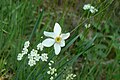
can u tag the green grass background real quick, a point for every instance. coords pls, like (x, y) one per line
(94, 53)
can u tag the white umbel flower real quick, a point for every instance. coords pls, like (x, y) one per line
(33, 57)
(33, 52)
(70, 77)
(93, 10)
(29, 56)
(24, 51)
(26, 45)
(90, 8)
(56, 38)
(86, 7)
(52, 71)
(19, 57)
(37, 57)
(51, 78)
(44, 57)
(40, 47)
(31, 62)
(87, 26)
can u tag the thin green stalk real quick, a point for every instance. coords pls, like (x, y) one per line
(36, 25)
(91, 17)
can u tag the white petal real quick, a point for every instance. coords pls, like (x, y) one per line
(57, 29)
(62, 43)
(65, 36)
(48, 42)
(57, 48)
(49, 34)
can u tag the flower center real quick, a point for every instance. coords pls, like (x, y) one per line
(58, 39)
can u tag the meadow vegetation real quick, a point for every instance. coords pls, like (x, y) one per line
(92, 51)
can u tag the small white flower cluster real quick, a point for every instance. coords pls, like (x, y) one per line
(70, 77)
(33, 57)
(24, 51)
(40, 47)
(87, 26)
(90, 8)
(52, 71)
(44, 57)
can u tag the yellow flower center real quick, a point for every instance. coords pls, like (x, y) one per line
(58, 39)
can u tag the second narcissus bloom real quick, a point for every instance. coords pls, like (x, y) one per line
(56, 38)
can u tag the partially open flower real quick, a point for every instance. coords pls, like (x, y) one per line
(56, 38)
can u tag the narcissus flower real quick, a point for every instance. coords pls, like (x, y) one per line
(56, 38)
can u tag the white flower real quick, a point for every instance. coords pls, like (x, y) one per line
(90, 8)
(51, 61)
(86, 7)
(55, 74)
(51, 78)
(41, 37)
(37, 57)
(96, 10)
(93, 10)
(70, 76)
(74, 75)
(49, 64)
(33, 52)
(29, 56)
(31, 62)
(19, 57)
(56, 38)
(33, 57)
(44, 57)
(48, 72)
(53, 70)
(50, 67)
(24, 51)
(26, 45)
(87, 26)
(40, 47)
